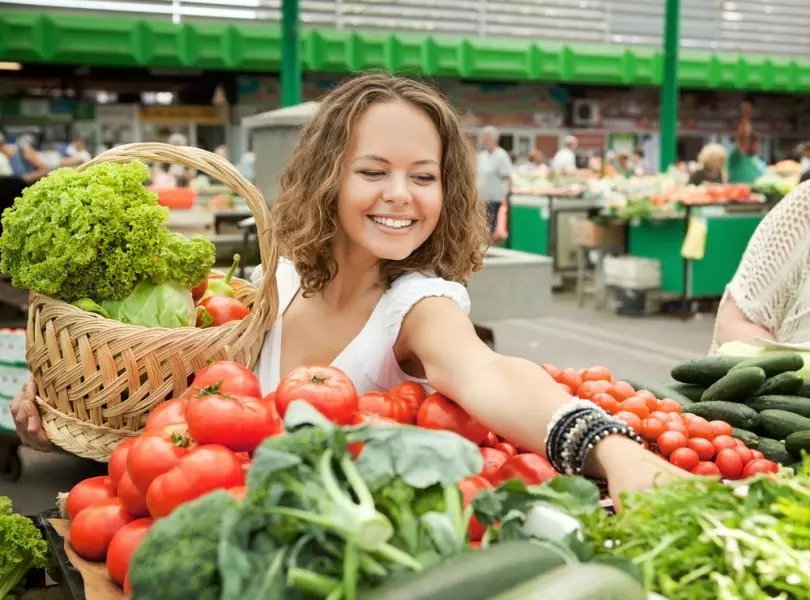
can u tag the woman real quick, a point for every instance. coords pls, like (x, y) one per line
(769, 296)
(380, 221)
(712, 160)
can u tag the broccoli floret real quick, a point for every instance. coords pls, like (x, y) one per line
(21, 547)
(177, 560)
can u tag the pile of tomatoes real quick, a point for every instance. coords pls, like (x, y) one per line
(687, 441)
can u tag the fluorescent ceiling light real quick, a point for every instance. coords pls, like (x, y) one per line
(10, 66)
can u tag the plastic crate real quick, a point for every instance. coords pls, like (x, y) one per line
(633, 273)
(12, 347)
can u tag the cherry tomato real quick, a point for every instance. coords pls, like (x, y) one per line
(230, 378)
(221, 310)
(506, 448)
(531, 469)
(669, 441)
(327, 389)
(470, 487)
(199, 290)
(167, 413)
(757, 454)
(88, 493)
(156, 452)
(738, 443)
(606, 402)
(552, 370)
(646, 394)
(571, 378)
(385, 405)
(493, 461)
(132, 499)
(730, 463)
(411, 393)
(679, 418)
(597, 373)
(240, 423)
(651, 429)
(679, 427)
(633, 420)
(685, 458)
(669, 405)
(622, 390)
(759, 465)
(653, 404)
(720, 428)
(703, 447)
(636, 405)
(118, 461)
(706, 469)
(93, 528)
(439, 412)
(745, 454)
(700, 429)
(123, 545)
(204, 469)
(660, 415)
(491, 440)
(721, 442)
(589, 389)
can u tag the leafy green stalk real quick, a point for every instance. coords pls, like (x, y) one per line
(21, 547)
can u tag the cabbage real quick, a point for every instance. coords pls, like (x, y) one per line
(149, 305)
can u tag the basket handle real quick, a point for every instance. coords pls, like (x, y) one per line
(220, 169)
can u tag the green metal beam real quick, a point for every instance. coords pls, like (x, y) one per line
(669, 87)
(291, 71)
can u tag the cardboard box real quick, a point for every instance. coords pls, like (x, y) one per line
(592, 235)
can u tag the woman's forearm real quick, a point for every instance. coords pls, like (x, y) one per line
(734, 326)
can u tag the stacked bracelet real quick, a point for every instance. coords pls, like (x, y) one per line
(574, 431)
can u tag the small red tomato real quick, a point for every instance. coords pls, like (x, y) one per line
(94, 527)
(633, 420)
(669, 405)
(660, 415)
(123, 545)
(759, 465)
(703, 447)
(588, 389)
(571, 378)
(493, 461)
(738, 443)
(685, 458)
(506, 448)
(118, 460)
(411, 394)
(720, 428)
(552, 370)
(387, 406)
(721, 442)
(646, 394)
(198, 291)
(228, 377)
(757, 454)
(636, 405)
(707, 469)
(439, 412)
(669, 441)
(491, 440)
(730, 463)
(700, 429)
(606, 402)
(622, 390)
(531, 469)
(597, 373)
(470, 487)
(745, 454)
(88, 493)
(167, 413)
(679, 427)
(132, 499)
(652, 429)
(218, 310)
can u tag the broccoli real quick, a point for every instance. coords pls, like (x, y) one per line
(21, 547)
(178, 559)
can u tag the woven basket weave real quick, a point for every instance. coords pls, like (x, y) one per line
(98, 379)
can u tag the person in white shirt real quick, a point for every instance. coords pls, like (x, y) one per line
(76, 153)
(565, 160)
(494, 172)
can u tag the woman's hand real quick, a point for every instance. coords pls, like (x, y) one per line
(26, 418)
(630, 468)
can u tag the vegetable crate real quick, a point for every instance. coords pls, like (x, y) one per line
(98, 379)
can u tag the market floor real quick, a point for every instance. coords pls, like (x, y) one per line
(568, 336)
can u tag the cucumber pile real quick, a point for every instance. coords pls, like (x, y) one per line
(762, 398)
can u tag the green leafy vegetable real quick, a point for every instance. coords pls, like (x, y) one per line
(96, 234)
(148, 305)
(21, 547)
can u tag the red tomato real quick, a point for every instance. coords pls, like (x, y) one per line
(633, 420)
(669, 441)
(757, 454)
(646, 394)
(653, 404)
(679, 418)
(240, 423)
(127, 587)
(706, 469)
(651, 429)
(759, 465)
(238, 492)
(123, 545)
(745, 454)
(270, 398)
(606, 402)
(555, 372)
(700, 429)
(385, 405)
(88, 493)
(679, 427)
(730, 463)
(491, 440)
(588, 389)
(156, 452)
(636, 405)
(204, 469)
(469, 489)
(531, 469)
(221, 309)
(571, 378)
(118, 461)
(622, 390)
(94, 527)
(720, 428)
(167, 413)
(326, 388)
(660, 415)
(721, 442)
(493, 461)
(597, 374)
(439, 412)
(669, 405)
(228, 377)
(506, 448)
(411, 393)
(359, 418)
(703, 447)
(738, 443)
(132, 499)
(685, 458)
(198, 291)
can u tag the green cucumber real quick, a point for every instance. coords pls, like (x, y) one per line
(787, 384)
(774, 363)
(780, 423)
(775, 450)
(749, 438)
(477, 575)
(738, 385)
(661, 391)
(689, 390)
(733, 413)
(804, 391)
(578, 582)
(705, 371)
(794, 404)
(796, 442)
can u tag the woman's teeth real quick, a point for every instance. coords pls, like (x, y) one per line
(393, 223)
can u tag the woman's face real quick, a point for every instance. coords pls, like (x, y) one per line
(391, 197)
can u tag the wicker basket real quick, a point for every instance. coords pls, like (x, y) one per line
(98, 379)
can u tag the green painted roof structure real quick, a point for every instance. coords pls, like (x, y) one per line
(135, 42)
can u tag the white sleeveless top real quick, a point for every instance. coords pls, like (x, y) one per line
(369, 358)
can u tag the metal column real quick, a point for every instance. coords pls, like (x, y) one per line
(669, 86)
(290, 54)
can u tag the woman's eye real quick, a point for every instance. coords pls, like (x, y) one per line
(425, 178)
(373, 173)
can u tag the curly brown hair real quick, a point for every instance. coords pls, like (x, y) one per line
(305, 215)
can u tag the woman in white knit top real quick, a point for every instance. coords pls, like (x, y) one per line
(769, 296)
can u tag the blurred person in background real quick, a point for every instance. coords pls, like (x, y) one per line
(712, 160)
(182, 175)
(76, 153)
(565, 160)
(494, 175)
(803, 150)
(25, 161)
(743, 164)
